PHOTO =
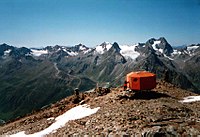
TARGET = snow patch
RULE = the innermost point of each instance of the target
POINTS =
(64, 50)
(176, 52)
(51, 118)
(155, 48)
(7, 52)
(36, 52)
(59, 49)
(77, 112)
(129, 51)
(71, 53)
(87, 51)
(82, 48)
(190, 99)
(161, 50)
(168, 57)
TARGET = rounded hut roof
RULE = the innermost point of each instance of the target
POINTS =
(140, 74)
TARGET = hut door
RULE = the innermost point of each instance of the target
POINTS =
(135, 83)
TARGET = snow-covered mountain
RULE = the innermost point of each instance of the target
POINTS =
(159, 46)
(189, 50)
(68, 51)
(102, 48)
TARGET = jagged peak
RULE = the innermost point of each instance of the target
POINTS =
(107, 46)
(162, 39)
(116, 47)
(160, 45)
(81, 47)
(151, 41)
(105, 43)
(4, 44)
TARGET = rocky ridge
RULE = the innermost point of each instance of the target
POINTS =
(144, 113)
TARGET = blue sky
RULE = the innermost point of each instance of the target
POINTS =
(38, 23)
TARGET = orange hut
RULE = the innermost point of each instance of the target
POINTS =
(141, 80)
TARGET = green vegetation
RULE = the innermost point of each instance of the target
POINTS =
(30, 85)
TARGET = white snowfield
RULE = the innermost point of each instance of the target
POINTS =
(192, 48)
(129, 51)
(72, 114)
(36, 52)
(126, 50)
(190, 99)
(102, 49)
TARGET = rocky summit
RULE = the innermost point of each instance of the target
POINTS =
(159, 112)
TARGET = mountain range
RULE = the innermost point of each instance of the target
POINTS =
(32, 78)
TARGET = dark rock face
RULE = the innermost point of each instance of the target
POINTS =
(167, 48)
(163, 44)
(79, 48)
(115, 47)
(192, 69)
(13, 51)
(3, 48)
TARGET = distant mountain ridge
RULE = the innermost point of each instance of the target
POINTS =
(42, 76)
